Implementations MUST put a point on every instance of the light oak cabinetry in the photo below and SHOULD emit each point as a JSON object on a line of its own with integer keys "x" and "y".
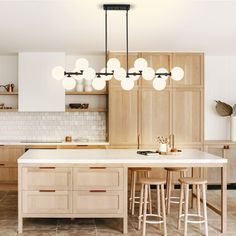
{"x": 8, "y": 163}
{"x": 225, "y": 149}
{"x": 72, "y": 191}
{"x": 138, "y": 116}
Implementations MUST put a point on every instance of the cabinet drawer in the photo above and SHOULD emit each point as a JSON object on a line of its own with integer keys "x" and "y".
{"x": 97, "y": 178}
{"x": 35, "y": 178}
{"x": 98, "y": 202}
{"x": 8, "y": 174}
{"x": 46, "y": 201}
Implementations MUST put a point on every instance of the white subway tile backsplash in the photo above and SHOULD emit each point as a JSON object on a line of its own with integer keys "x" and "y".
{"x": 46, "y": 126}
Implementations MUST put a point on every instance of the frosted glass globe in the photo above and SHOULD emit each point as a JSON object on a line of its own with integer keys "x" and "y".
{"x": 140, "y": 64}
{"x": 89, "y": 73}
{"x": 68, "y": 83}
{"x": 81, "y": 64}
{"x": 159, "y": 83}
{"x": 58, "y": 72}
{"x": 106, "y": 77}
{"x": 98, "y": 83}
{"x": 134, "y": 77}
{"x": 113, "y": 64}
{"x": 163, "y": 70}
{"x": 177, "y": 73}
{"x": 148, "y": 73}
{"x": 120, "y": 73}
{"x": 127, "y": 83}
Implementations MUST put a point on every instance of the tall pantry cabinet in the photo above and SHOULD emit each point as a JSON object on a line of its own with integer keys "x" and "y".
{"x": 138, "y": 116}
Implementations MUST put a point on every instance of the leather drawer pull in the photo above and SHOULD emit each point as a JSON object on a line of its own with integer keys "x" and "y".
{"x": 97, "y": 191}
{"x": 97, "y": 168}
{"x": 47, "y": 167}
{"x": 2, "y": 164}
{"x": 47, "y": 191}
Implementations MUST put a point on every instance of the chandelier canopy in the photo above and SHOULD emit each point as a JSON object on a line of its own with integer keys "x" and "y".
{"x": 127, "y": 77}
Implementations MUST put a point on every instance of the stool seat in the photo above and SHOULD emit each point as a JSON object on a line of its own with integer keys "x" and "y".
{"x": 190, "y": 180}
{"x": 176, "y": 169}
{"x": 152, "y": 181}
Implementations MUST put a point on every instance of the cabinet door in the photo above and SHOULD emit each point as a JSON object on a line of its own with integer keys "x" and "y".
{"x": 155, "y": 112}
{"x": 8, "y": 163}
{"x": 156, "y": 61}
{"x": 192, "y": 64}
{"x": 38, "y": 90}
{"x": 123, "y": 118}
{"x": 231, "y": 154}
{"x": 188, "y": 116}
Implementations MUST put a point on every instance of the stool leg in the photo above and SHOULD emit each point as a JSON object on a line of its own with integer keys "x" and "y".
{"x": 140, "y": 207}
{"x": 169, "y": 192}
{"x": 205, "y": 209}
{"x": 163, "y": 208}
{"x": 158, "y": 201}
{"x": 186, "y": 209}
{"x": 133, "y": 192}
{"x": 145, "y": 208}
{"x": 198, "y": 200}
{"x": 180, "y": 204}
{"x": 149, "y": 195}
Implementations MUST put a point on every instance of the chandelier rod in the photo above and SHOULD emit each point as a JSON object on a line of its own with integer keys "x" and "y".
{"x": 106, "y": 54}
{"x": 127, "y": 43}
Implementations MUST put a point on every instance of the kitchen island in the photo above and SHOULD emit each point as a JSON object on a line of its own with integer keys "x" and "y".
{"x": 93, "y": 183}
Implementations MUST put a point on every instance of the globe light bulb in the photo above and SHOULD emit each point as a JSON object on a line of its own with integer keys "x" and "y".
{"x": 134, "y": 77}
{"x": 120, "y": 73}
{"x": 81, "y": 64}
{"x": 127, "y": 83}
{"x": 113, "y": 64}
{"x": 159, "y": 83}
{"x": 89, "y": 73}
{"x": 98, "y": 83}
{"x": 177, "y": 73}
{"x": 106, "y": 77}
{"x": 140, "y": 64}
{"x": 68, "y": 83}
{"x": 148, "y": 73}
{"x": 162, "y": 71}
{"x": 58, "y": 72}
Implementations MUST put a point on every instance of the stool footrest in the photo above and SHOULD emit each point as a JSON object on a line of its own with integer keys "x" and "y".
{"x": 152, "y": 221}
{"x": 193, "y": 221}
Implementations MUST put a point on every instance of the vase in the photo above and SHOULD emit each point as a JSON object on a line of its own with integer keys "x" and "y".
{"x": 163, "y": 147}
{"x": 233, "y": 128}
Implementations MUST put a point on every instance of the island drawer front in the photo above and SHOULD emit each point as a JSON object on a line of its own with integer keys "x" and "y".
{"x": 86, "y": 178}
{"x": 98, "y": 202}
{"x": 47, "y": 202}
{"x": 57, "y": 178}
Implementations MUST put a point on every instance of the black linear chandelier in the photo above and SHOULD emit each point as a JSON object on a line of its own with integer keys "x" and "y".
{"x": 112, "y": 68}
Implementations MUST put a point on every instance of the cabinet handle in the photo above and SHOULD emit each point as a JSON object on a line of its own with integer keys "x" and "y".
{"x": 2, "y": 164}
{"x": 97, "y": 191}
{"x": 47, "y": 167}
{"x": 47, "y": 191}
{"x": 97, "y": 168}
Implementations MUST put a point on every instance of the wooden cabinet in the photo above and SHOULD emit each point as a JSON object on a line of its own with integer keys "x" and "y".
{"x": 137, "y": 117}
{"x": 123, "y": 118}
{"x": 8, "y": 163}
{"x": 47, "y": 202}
{"x": 97, "y": 178}
{"x": 72, "y": 191}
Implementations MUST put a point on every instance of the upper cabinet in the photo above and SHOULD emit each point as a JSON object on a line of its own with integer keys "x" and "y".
{"x": 192, "y": 64}
{"x": 38, "y": 91}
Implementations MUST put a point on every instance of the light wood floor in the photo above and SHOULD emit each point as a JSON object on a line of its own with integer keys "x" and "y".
{"x": 107, "y": 227}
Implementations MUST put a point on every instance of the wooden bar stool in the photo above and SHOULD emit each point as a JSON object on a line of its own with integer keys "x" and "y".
{"x": 185, "y": 182}
{"x": 161, "y": 218}
{"x": 169, "y": 177}
{"x": 133, "y": 199}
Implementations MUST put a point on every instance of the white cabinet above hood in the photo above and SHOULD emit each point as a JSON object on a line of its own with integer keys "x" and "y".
{"x": 38, "y": 91}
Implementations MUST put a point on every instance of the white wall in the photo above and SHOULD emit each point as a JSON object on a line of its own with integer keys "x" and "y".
{"x": 220, "y": 84}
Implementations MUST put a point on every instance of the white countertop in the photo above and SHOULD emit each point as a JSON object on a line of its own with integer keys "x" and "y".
{"x": 48, "y": 143}
{"x": 116, "y": 156}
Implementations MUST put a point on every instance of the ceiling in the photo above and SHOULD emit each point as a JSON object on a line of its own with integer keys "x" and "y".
{"x": 77, "y": 26}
